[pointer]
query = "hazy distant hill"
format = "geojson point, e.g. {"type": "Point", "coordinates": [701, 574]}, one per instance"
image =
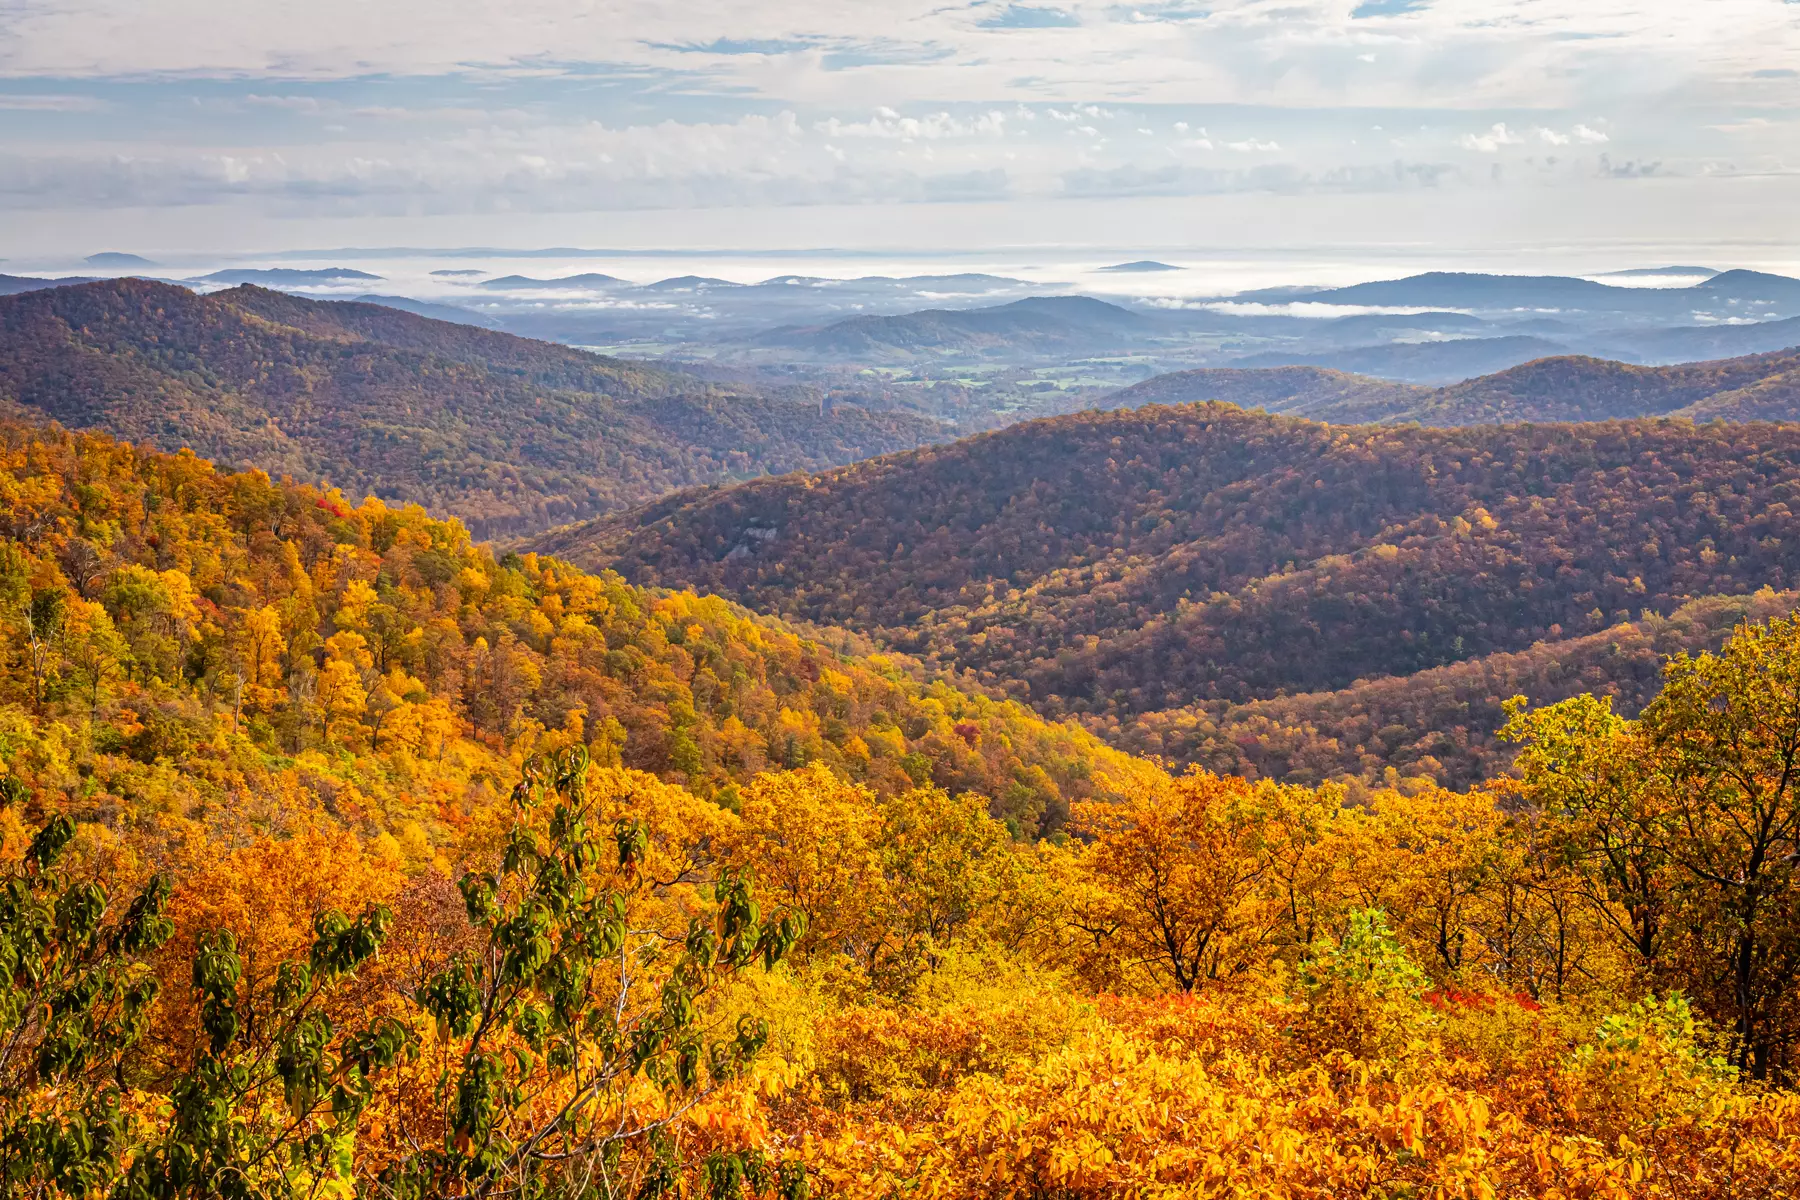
{"type": "Point", "coordinates": [286, 276]}
{"type": "Point", "coordinates": [437, 312]}
{"type": "Point", "coordinates": [1445, 289]}
{"type": "Point", "coordinates": [1573, 388]}
{"type": "Point", "coordinates": [1689, 343]}
{"type": "Point", "coordinates": [12, 285]}
{"type": "Point", "coordinates": [506, 433]}
{"type": "Point", "coordinates": [1420, 362]}
{"type": "Point", "coordinates": [1763, 387]}
{"type": "Point", "coordinates": [1454, 289]}
{"type": "Point", "coordinates": [1067, 324]}
{"type": "Point", "coordinates": [1299, 391]}
{"type": "Point", "coordinates": [1123, 562]}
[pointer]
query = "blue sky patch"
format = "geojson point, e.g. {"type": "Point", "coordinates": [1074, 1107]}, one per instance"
{"type": "Point", "coordinates": [1386, 8]}
{"type": "Point", "coordinates": [1025, 16]}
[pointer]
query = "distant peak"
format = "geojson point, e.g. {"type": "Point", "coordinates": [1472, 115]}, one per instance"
{"type": "Point", "coordinates": [1658, 272]}
{"type": "Point", "coordinates": [276, 276]}
{"type": "Point", "coordinates": [1143, 266]}
{"type": "Point", "coordinates": [116, 258]}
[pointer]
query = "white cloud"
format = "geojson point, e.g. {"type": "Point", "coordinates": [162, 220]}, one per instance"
{"type": "Point", "coordinates": [555, 104]}
{"type": "Point", "coordinates": [1473, 53]}
{"type": "Point", "coordinates": [1491, 141]}
{"type": "Point", "coordinates": [886, 123]}
{"type": "Point", "coordinates": [51, 103]}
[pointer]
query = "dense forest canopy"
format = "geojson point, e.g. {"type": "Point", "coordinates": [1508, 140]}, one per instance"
{"type": "Point", "coordinates": [506, 433]}
{"type": "Point", "coordinates": [334, 630]}
{"type": "Point", "coordinates": [1120, 563]}
{"type": "Point", "coordinates": [339, 857]}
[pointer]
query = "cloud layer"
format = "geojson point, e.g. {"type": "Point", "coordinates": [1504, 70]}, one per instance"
{"type": "Point", "coordinates": [346, 106]}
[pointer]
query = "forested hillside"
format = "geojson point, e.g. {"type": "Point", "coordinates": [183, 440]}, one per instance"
{"type": "Point", "coordinates": [507, 434]}
{"type": "Point", "coordinates": [229, 624]}
{"type": "Point", "coordinates": [1120, 563]}
{"type": "Point", "coordinates": [1314, 392]}
{"type": "Point", "coordinates": [1438, 725]}
{"type": "Point", "coordinates": [1757, 387]}
{"type": "Point", "coordinates": [338, 857]}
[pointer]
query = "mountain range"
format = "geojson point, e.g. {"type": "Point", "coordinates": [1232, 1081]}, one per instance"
{"type": "Point", "coordinates": [1113, 565]}
{"type": "Point", "coordinates": [1761, 387]}
{"type": "Point", "coordinates": [1036, 325]}
{"type": "Point", "coordinates": [508, 434]}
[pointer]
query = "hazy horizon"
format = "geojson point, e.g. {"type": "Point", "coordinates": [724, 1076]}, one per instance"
{"type": "Point", "coordinates": [1376, 134]}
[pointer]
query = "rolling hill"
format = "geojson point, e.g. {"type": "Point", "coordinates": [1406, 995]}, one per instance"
{"type": "Point", "coordinates": [1760, 387]}
{"type": "Point", "coordinates": [1437, 724]}
{"type": "Point", "coordinates": [1448, 289]}
{"type": "Point", "coordinates": [1297, 391]}
{"type": "Point", "coordinates": [1042, 324]}
{"type": "Point", "coordinates": [12, 285]}
{"type": "Point", "coordinates": [1126, 562]}
{"type": "Point", "coordinates": [506, 433]}
{"type": "Point", "coordinates": [1420, 362]}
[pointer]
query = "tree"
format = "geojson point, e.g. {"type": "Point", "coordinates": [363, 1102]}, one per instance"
{"type": "Point", "coordinates": [576, 1035]}
{"type": "Point", "coordinates": [93, 650]}
{"type": "Point", "coordinates": [1687, 822]}
{"type": "Point", "coordinates": [1183, 866]}
{"type": "Point", "coordinates": [75, 998]}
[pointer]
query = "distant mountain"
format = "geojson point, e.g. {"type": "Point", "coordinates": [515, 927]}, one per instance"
{"type": "Point", "coordinates": [1559, 388]}
{"type": "Point", "coordinates": [592, 279]}
{"type": "Point", "coordinates": [1420, 362]}
{"type": "Point", "coordinates": [1688, 343]}
{"type": "Point", "coordinates": [1037, 324]}
{"type": "Point", "coordinates": [506, 433]}
{"type": "Point", "coordinates": [113, 258]}
{"type": "Point", "coordinates": [1394, 326]}
{"type": "Point", "coordinates": [437, 312]}
{"type": "Point", "coordinates": [278, 277]}
{"type": "Point", "coordinates": [1298, 391]}
{"type": "Point", "coordinates": [1751, 285]}
{"type": "Point", "coordinates": [1574, 388]}
{"type": "Point", "coordinates": [1453, 289]}
{"type": "Point", "coordinates": [1141, 267]}
{"type": "Point", "coordinates": [1119, 563]}
{"type": "Point", "coordinates": [12, 285]}
{"type": "Point", "coordinates": [1488, 293]}
{"type": "Point", "coordinates": [689, 283]}
{"type": "Point", "coordinates": [1661, 272]}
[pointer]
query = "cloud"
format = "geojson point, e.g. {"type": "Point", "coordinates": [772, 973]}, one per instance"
{"type": "Point", "coordinates": [542, 104]}
{"type": "Point", "coordinates": [737, 46]}
{"type": "Point", "coordinates": [1491, 141]}
{"type": "Point", "coordinates": [49, 102]}
{"type": "Point", "coordinates": [886, 123]}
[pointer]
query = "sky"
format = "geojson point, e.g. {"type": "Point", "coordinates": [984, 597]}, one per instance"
{"type": "Point", "coordinates": [1607, 130]}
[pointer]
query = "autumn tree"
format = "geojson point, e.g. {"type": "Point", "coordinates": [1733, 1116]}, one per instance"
{"type": "Point", "coordinates": [1183, 865]}
{"type": "Point", "coordinates": [1689, 822]}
